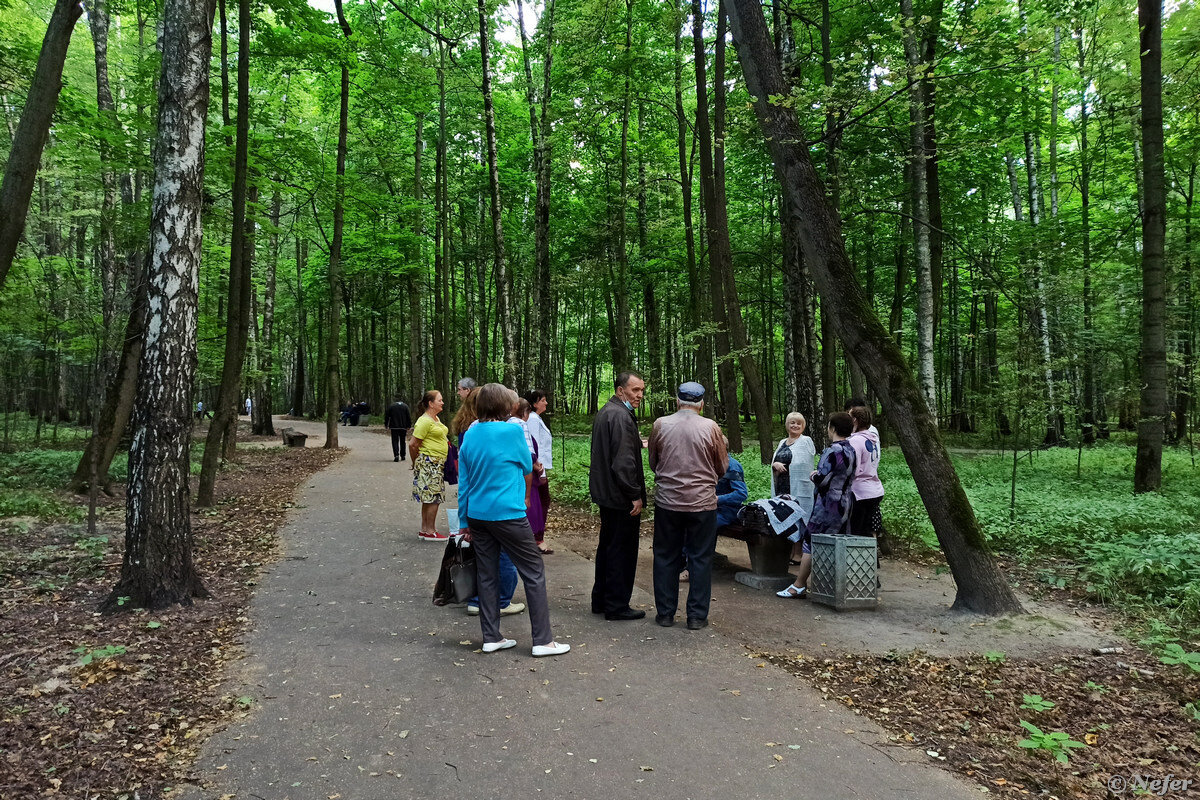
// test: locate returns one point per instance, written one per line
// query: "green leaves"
(1057, 743)
(1174, 654)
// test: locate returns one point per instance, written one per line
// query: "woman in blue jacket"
(498, 468)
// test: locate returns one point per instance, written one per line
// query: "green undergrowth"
(33, 481)
(1140, 553)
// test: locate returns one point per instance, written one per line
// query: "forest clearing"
(974, 221)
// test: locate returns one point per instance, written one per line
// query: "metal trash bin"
(845, 571)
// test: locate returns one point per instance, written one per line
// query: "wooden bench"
(293, 437)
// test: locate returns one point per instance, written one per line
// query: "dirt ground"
(963, 688)
(913, 614)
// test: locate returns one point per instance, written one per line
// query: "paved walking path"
(363, 689)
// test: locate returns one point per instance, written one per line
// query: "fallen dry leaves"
(99, 706)
(966, 712)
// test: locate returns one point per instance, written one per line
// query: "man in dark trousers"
(688, 457)
(618, 487)
(397, 420)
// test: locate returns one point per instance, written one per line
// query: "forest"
(977, 215)
(790, 203)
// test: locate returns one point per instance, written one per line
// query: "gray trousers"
(516, 537)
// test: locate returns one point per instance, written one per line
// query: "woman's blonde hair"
(466, 413)
(795, 415)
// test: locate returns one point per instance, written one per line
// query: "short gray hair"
(467, 383)
(689, 403)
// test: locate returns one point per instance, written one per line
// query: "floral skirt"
(428, 479)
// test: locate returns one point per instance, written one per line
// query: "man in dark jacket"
(618, 487)
(397, 420)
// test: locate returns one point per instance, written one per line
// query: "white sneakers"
(539, 650)
(552, 649)
(511, 608)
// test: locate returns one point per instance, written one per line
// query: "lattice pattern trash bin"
(844, 571)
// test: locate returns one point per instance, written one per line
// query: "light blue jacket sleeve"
(464, 480)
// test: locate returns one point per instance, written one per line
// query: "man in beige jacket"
(688, 457)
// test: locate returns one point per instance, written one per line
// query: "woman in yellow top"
(428, 448)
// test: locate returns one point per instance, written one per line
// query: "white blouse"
(545, 442)
(804, 456)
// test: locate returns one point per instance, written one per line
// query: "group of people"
(351, 413)
(842, 495)
(503, 450)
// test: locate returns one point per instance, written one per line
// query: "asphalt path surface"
(360, 688)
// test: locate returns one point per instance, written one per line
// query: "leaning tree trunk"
(981, 585)
(1148, 470)
(222, 433)
(157, 570)
(118, 400)
(33, 130)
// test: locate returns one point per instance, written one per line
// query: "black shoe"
(665, 620)
(695, 623)
(627, 614)
(396, 459)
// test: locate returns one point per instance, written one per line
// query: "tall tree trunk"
(1148, 469)
(622, 357)
(920, 202)
(98, 20)
(299, 387)
(499, 258)
(33, 130)
(981, 586)
(716, 228)
(157, 569)
(701, 343)
(333, 388)
(264, 398)
(222, 433)
(543, 290)
(1085, 233)
(1186, 388)
(758, 398)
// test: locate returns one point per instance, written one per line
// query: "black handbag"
(456, 578)
(463, 572)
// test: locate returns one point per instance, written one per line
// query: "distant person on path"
(493, 499)
(791, 467)
(397, 420)
(464, 420)
(545, 444)
(428, 448)
(865, 519)
(618, 486)
(249, 406)
(831, 511)
(200, 412)
(688, 456)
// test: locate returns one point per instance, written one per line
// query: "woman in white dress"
(545, 449)
(792, 466)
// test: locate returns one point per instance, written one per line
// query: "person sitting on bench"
(731, 492)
